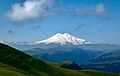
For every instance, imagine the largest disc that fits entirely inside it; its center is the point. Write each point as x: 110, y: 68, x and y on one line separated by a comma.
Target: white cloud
x: 100, y: 9
x: 30, y: 9
x: 97, y: 10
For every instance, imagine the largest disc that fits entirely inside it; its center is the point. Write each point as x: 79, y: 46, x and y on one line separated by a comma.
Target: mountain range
x: 61, y: 54
x: 62, y: 40
x: 109, y: 61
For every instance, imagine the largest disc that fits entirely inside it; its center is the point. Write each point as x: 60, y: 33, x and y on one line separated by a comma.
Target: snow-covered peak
x: 64, y: 39
x: 58, y: 34
x: 1, y: 41
x: 66, y: 35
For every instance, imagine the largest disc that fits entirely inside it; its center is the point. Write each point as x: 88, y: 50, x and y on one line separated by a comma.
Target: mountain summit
x: 1, y: 41
x: 63, y: 39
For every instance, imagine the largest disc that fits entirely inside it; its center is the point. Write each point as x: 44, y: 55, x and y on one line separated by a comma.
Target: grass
x: 6, y: 70
x: 97, y: 73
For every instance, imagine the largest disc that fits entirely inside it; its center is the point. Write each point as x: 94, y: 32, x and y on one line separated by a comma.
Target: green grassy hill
x: 68, y: 65
x: 6, y: 70
x: 16, y: 63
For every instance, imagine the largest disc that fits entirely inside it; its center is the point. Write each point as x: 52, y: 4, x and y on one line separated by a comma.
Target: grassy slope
x: 60, y: 63
x: 26, y: 65
x: 86, y: 72
x: 97, y: 73
x: 6, y: 70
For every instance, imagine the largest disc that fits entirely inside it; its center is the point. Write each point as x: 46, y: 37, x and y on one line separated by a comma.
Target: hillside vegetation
x: 16, y: 63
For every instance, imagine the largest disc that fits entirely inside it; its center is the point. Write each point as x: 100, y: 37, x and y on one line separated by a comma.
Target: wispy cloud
x: 30, y: 9
x: 37, y: 27
x: 101, y: 29
x: 79, y: 26
x: 97, y: 10
x: 101, y: 11
x: 10, y: 31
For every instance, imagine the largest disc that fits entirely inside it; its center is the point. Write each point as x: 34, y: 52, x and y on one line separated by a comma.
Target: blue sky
x: 97, y: 21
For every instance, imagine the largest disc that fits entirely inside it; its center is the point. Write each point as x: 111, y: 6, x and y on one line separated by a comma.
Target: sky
x: 97, y: 21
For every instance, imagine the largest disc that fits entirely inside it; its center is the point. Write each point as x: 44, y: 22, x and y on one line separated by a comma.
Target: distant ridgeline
x: 62, y: 40
x: 109, y: 61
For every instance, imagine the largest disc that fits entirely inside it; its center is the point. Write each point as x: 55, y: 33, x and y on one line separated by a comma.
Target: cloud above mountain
x: 101, y: 10
x: 98, y: 10
x: 30, y: 9
x: 79, y: 27
x: 37, y: 27
x: 10, y: 31
x: 33, y: 9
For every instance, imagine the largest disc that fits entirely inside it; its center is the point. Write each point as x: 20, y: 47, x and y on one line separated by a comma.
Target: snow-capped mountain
x: 63, y: 39
x: 1, y: 41
x: 58, y: 38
